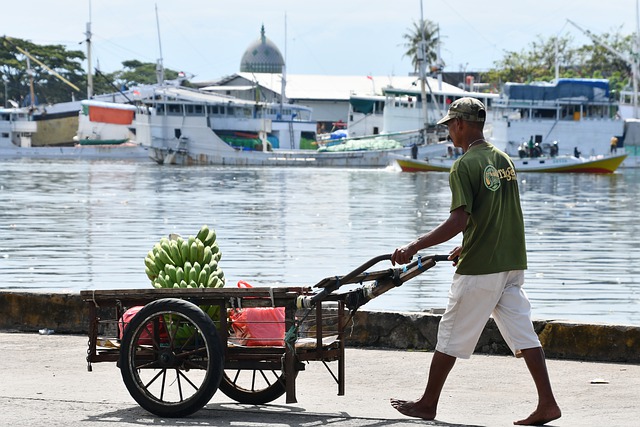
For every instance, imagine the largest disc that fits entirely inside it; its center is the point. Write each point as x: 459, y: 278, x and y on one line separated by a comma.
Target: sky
x: 206, y: 38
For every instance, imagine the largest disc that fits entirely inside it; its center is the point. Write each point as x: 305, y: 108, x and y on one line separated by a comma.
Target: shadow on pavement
x: 230, y: 414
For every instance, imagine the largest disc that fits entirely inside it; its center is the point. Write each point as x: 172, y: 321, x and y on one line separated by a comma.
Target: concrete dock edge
x: 66, y: 313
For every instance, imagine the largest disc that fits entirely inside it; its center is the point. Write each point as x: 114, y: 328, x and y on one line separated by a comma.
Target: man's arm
x: 444, y: 232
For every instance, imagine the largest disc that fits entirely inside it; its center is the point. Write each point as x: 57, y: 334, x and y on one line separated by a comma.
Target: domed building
x: 263, y: 77
x: 262, y: 56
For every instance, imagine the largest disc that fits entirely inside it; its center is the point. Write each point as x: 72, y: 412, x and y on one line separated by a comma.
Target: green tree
x: 596, y: 60
x: 104, y: 82
x: 592, y: 60
x: 535, y: 64
x: 413, y: 37
x: 47, y: 87
x: 135, y: 72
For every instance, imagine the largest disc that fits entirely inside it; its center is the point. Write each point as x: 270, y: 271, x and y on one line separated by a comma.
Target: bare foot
x: 413, y: 409
x: 540, y: 416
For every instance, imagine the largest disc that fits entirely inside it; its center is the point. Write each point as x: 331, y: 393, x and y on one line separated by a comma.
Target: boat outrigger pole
x: 43, y: 65
x: 631, y: 60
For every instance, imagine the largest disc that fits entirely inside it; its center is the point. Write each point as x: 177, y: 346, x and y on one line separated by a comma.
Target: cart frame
x: 288, y: 358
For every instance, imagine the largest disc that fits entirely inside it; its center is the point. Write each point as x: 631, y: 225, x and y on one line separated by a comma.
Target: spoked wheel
x: 253, y: 386
x: 171, y: 359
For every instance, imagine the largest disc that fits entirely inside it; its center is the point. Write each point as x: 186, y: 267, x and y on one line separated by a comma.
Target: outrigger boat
x: 566, y: 164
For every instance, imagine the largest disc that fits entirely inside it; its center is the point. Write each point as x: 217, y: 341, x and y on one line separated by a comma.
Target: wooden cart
x: 173, y: 356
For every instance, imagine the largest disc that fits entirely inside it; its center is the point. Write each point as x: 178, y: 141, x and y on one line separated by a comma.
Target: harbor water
x: 71, y: 225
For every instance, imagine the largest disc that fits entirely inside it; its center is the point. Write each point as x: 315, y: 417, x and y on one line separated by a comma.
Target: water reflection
x: 88, y: 225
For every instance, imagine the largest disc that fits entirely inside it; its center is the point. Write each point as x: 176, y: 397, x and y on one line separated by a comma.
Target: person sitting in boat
x: 553, y: 151
x: 522, y: 150
x: 537, y: 150
x: 576, y: 153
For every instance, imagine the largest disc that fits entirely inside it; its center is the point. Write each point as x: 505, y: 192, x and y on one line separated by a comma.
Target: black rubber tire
x: 253, y: 386
x: 194, y: 353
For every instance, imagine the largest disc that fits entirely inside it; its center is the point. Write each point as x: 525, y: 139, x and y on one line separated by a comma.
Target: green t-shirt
x: 484, y: 181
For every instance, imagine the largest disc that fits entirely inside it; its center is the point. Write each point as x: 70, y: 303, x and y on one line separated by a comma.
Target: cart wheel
x: 171, y: 359
x: 253, y: 386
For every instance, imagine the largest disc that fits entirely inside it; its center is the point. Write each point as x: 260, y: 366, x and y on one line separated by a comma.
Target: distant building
x: 263, y: 78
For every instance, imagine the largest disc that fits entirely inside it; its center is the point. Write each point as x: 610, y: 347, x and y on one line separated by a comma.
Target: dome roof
x: 262, y: 56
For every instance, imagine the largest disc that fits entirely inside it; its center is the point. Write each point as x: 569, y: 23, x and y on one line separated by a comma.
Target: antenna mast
x: 424, y: 83
x: 423, y: 78
x: 89, y: 62
x: 89, y: 73
x: 159, y: 66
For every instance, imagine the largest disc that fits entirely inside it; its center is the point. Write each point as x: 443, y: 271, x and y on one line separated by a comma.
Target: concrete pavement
x: 45, y: 383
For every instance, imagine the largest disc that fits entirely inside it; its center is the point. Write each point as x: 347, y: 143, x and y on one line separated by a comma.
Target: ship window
x: 174, y: 109
x: 544, y: 114
x: 198, y: 109
x: 230, y: 111
x: 304, y: 115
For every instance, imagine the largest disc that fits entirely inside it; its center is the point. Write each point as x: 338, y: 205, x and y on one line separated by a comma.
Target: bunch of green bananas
x: 185, y: 263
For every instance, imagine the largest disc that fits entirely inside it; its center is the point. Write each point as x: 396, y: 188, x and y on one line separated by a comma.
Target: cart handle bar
x: 331, y: 284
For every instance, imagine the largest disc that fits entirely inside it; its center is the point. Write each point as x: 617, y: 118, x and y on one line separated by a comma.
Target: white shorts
x: 473, y: 299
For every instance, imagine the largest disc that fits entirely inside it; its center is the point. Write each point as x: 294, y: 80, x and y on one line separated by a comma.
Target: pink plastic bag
x: 258, y: 326
x: 146, y: 337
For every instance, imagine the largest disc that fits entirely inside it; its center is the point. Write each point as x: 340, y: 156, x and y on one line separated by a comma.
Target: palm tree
x: 413, y: 38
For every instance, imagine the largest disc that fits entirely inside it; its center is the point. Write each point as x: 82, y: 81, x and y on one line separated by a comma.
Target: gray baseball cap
x: 469, y: 109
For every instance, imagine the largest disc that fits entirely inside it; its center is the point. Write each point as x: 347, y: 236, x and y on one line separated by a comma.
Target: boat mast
x: 424, y: 83
x: 32, y: 95
x: 159, y: 66
x: 89, y: 63
x: 636, y: 50
x: 439, y: 64
x: 423, y: 78
x: 283, y: 95
x: 556, y: 62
